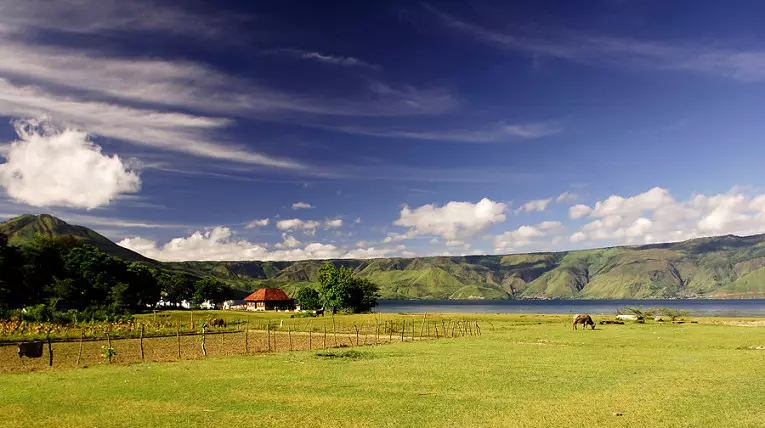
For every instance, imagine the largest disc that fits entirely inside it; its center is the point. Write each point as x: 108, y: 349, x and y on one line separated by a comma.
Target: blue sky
x: 395, y: 128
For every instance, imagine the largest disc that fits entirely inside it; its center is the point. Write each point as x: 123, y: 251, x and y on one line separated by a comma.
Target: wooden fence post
x: 289, y: 333
x: 377, y: 330
x: 390, y: 331
x: 204, y: 333
x: 178, y: 336
x: 425, y: 315
x: 50, y: 351
x: 454, y: 324
x: 403, y: 327
x: 108, y: 351
x: 79, y: 353
x: 141, y: 344
x: 357, y: 333
x: 268, y: 334
x: 310, y: 335
x: 246, y: 340
x: 334, y: 332
x: 435, y: 326
x: 325, y: 334
x: 192, y: 320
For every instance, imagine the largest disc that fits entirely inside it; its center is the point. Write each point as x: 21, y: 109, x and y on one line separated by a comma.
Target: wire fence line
x: 72, y: 351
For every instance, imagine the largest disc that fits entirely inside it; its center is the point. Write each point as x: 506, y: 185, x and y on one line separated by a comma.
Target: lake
x: 713, y: 308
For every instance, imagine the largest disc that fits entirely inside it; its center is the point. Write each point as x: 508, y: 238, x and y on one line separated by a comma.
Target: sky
x: 308, y: 130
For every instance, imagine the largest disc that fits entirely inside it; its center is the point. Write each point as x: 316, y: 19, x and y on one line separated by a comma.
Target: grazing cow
x: 30, y: 349
x: 585, y: 320
x: 218, y: 322
x: 319, y: 312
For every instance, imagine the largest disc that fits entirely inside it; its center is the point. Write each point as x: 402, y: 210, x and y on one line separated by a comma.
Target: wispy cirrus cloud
x: 747, y: 65
x: 499, y: 132
x: 344, y: 61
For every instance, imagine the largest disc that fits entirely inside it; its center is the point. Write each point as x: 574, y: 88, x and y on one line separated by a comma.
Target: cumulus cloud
x: 455, y: 220
x: 47, y: 166
x: 333, y: 223
x: 288, y: 241
x: 536, y: 205
x: 257, y: 223
x: 525, y: 236
x: 373, y: 253
x: 307, y: 226
x: 656, y: 216
x: 579, y: 211
x: 566, y: 197
x: 219, y: 244
x: 577, y: 237
x: 301, y: 205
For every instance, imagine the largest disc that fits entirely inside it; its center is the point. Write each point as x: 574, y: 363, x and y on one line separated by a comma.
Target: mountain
x: 717, y: 267
x: 22, y: 229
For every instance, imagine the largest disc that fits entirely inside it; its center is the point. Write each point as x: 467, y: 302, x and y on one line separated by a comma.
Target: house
x: 234, y: 305
x: 269, y: 299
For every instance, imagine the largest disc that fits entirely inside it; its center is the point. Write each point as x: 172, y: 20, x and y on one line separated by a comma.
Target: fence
x: 245, y: 339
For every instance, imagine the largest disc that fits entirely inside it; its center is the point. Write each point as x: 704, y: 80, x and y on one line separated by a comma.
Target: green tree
x: 309, y: 298
x: 211, y: 289
x: 177, y: 287
x: 340, y: 290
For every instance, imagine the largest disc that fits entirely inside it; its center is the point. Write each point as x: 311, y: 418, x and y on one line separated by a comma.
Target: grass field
x: 524, y: 371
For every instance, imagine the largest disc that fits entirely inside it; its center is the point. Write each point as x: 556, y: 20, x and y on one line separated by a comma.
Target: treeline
x: 58, y: 278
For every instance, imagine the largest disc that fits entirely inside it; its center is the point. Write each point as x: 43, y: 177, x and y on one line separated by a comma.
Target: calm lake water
x: 713, y: 308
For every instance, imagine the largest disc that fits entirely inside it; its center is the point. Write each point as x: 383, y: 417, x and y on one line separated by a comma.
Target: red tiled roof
x: 267, y: 295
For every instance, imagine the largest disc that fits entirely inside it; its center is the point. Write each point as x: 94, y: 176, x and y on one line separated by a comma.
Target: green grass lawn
x: 524, y: 371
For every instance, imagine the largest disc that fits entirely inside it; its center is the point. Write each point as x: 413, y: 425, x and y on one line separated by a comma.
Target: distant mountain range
x: 717, y: 267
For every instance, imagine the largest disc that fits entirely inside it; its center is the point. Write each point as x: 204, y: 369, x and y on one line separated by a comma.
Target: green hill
x: 22, y: 229
x: 717, y: 267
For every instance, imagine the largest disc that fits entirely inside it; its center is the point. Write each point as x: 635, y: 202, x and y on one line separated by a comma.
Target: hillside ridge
x: 713, y: 267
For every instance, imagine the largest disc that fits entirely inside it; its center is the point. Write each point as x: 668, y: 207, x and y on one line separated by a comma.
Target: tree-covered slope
x: 22, y: 229
x: 716, y: 267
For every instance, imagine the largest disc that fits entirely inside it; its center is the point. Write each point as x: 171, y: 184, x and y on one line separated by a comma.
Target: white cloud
x: 177, y: 132
x: 307, y: 226
x: 333, y: 223
x: 302, y: 205
x: 525, y: 236
x: 288, y: 241
x: 577, y: 237
x: 495, y: 133
x: 656, y: 216
x: 579, y: 211
x: 346, y: 61
x: 357, y: 221
x: 536, y: 205
x: 566, y: 197
x: 219, y: 244
x: 746, y: 65
x: 52, y: 167
x: 373, y: 253
x: 257, y: 223
x: 455, y: 220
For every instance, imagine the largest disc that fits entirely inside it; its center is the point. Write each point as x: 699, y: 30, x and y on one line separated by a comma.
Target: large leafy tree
x: 211, y: 289
x: 340, y: 290
x: 309, y: 298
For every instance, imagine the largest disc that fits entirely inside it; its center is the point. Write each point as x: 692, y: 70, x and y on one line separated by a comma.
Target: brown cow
x: 585, y: 320
x: 218, y: 322
x: 30, y: 349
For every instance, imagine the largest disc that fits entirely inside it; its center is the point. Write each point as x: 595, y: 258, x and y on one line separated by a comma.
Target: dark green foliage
x: 340, y: 290
x: 211, y: 289
x: 309, y: 298
x: 177, y: 287
x: 59, y: 278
